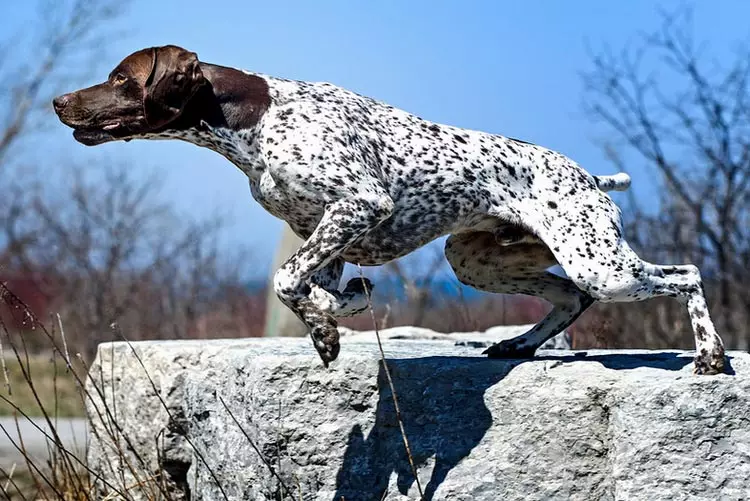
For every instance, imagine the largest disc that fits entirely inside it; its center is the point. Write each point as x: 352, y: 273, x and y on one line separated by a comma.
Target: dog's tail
x: 617, y: 182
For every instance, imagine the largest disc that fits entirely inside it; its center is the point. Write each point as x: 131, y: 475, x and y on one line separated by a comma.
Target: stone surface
x: 476, y: 339
x: 584, y: 426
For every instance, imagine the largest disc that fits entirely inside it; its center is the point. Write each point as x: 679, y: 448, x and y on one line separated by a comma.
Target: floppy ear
x: 175, y: 77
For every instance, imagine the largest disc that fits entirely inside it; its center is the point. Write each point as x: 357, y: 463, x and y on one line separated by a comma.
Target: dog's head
x: 146, y: 92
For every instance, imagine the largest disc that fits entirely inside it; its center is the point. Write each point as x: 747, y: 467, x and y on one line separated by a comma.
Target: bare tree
x: 671, y: 106
x: 68, y: 41
x: 419, y: 289
x: 113, y: 256
x: 101, y: 246
x: 62, y: 50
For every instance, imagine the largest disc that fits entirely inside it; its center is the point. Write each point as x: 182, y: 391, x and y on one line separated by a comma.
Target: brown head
x: 147, y: 91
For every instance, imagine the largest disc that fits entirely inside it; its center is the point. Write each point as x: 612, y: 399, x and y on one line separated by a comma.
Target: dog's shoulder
x: 285, y: 91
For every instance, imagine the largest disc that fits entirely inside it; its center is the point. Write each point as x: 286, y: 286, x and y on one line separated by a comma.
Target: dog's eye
x: 119, y: 79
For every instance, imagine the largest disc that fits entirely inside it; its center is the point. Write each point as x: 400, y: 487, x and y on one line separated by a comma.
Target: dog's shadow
x: 444, y: 416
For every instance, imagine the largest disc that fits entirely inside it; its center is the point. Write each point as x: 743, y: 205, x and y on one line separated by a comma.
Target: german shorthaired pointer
x: 364, y: 182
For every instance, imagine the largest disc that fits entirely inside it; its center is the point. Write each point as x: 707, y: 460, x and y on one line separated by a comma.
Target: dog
x: 363, y: 182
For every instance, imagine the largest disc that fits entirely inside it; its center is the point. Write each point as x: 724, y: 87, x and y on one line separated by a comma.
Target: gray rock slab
x: 477, y: 339
x: 599, y: 425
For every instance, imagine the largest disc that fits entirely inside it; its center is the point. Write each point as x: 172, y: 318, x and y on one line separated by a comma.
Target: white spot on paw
x: 323, y: 300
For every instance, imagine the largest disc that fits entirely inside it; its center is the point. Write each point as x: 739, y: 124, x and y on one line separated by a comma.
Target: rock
x: 475, y: 339
x: 602, y: 425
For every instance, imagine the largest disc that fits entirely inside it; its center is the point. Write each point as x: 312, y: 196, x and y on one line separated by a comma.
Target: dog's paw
x: 510, y: 349
x: 326, y: 341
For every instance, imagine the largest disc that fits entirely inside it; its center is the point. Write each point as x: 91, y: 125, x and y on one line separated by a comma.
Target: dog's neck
x: 231, y: 99
x: 224, y: 115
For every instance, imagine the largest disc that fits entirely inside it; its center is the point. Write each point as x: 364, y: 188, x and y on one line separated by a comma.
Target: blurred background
x: 162, y: 240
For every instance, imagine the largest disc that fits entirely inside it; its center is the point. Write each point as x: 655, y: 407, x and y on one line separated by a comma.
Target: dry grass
x: 38, y: 389
x: 50, y: 387
x: 54, y: 384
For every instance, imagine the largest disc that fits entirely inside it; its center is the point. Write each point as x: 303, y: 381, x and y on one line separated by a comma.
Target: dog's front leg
x: 343, y: 223
x: 325, y: 292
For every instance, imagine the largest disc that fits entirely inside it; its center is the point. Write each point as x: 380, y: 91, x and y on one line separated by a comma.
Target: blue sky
x: 508, y: 67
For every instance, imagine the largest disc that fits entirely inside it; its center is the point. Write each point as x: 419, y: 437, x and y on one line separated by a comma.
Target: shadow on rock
x: 670, y: 361
x: 445, y: 417
x: 665, y: 360
x: 443, y: 411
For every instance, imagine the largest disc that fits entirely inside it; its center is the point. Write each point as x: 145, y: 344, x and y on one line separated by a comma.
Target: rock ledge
x: 609, y: 425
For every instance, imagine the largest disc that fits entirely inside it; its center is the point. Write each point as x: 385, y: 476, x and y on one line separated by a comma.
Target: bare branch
x: 70, y: 29
x: 693, y: 128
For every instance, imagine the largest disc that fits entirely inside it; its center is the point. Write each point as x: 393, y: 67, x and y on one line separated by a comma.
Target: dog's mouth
x: 92, y: 136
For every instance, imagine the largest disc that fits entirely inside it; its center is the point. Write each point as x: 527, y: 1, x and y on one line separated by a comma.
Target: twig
x: 66, y: 354
x: 15, y: 302
x: 10, y: 478
x: 278, y: 439
x: 390, y: 383
x: 11, y: 481
x: 20, y: 447
x: 2, y: 362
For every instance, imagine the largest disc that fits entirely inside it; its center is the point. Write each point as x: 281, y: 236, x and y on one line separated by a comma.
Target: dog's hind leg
x: 623, y: 277
x: 562, y: 316
x: 600, y: 262
x: 479, y: 261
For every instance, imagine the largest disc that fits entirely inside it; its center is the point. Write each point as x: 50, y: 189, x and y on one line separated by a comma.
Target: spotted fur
x: 364, y: 182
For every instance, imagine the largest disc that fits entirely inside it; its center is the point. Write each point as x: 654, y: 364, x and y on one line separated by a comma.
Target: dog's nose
x: 61, y: 102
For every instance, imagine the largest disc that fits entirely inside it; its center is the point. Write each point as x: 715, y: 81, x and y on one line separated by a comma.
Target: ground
x: 55, y: 387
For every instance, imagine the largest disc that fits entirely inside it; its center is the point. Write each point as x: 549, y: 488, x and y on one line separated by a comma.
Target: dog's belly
x: 405, y: 231
x: 391, y: 240
x: 411, y: 226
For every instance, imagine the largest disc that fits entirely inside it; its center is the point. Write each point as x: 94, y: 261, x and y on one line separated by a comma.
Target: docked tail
x: 617, y: 182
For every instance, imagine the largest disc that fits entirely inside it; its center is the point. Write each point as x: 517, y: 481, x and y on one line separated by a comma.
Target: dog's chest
x: 297, y: 205
x: 301, y: 212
